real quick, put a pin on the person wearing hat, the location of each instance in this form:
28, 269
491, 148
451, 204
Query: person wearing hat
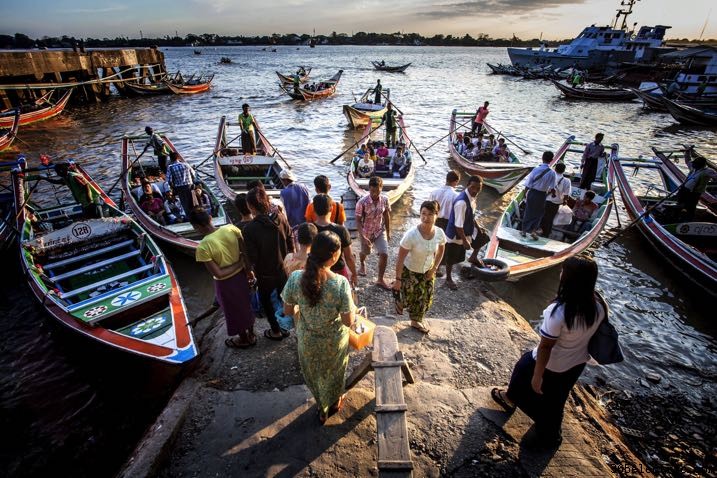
248, 134
161, 150
295, 197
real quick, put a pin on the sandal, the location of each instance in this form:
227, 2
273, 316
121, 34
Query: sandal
267, 334
234, 344
285, 333
477, 263
451, 285
336, 407
497, 395
420, 327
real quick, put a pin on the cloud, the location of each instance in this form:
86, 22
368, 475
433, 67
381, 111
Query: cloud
218, 6
110, 9
477, 8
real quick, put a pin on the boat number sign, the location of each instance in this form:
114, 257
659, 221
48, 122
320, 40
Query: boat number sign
246, 159
697, 229
81, 230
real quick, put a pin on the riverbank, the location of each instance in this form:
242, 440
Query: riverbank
247, 412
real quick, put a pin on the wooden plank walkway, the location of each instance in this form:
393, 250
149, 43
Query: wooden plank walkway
348, 199
394, 454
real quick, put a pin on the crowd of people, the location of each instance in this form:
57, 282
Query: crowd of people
376, 159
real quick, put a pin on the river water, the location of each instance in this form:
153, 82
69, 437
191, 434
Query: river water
68, 406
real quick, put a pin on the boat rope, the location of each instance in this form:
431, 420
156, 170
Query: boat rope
272, 147
53, 86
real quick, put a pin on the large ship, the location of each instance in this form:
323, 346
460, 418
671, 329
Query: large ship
599, 47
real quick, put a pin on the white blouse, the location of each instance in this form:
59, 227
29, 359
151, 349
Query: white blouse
421, 252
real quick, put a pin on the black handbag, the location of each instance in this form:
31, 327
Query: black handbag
604, 345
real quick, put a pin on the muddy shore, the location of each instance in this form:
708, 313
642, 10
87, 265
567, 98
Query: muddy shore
251, 415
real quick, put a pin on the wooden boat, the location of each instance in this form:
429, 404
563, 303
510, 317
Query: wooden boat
289, 79
225, 60
499, 176
649, 99
7, 137
393, 186
691, 115
526, 256
690, 247
670, 160
148, 89
191, 86
595, 94
654, 101
390, 69
234, 170
324, 89
104, 278
8, 233
365, 111
180, 234
41, 110
197, 52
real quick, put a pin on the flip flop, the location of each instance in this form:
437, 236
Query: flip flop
478, 263
336, 408
233, 344
496, 395
383, 285
267, 334
421, 328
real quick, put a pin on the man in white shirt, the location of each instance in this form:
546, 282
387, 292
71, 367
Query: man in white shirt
556, 196
462, 230
444, 196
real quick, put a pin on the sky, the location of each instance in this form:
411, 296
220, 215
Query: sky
553, 19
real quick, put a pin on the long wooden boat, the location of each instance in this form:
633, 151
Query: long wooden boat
181, 234
595, 94
526, 256
191, 87
687, 155
653, 100
41, 110
365, 111
104, 278
497, 175
390, 69
289, 79
234, 170
325, 89
8, 233
690, 247
7, 137
691, 115
393, 186
148, 89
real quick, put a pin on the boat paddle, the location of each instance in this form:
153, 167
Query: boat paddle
124, 171
642, 216
446, 135
354, 145
412, 143
500, 133
215, 152
204, 315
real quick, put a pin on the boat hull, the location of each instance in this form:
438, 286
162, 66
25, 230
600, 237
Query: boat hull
38, 115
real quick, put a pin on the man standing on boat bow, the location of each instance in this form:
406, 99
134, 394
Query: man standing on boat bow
377, 90
591, 156
389, 121
248, 134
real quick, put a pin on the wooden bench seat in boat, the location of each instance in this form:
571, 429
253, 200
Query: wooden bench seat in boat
89, 287
542, 247
95, 265
88, 255
388, 183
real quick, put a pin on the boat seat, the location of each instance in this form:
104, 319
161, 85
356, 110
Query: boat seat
88, 255
249, 178
89, 287
96, 265
548, 246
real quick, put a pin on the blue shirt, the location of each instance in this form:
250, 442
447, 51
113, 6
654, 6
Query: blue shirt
295, 197
180, 174
541, 178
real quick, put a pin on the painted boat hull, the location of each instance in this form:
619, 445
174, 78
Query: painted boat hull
176, 346
523, 259
38, 115
190, 89
394, 194
693, 264
594, 94
288, 80
180, 242
499, 176
305, 95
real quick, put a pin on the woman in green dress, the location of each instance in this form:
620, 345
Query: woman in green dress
326, 308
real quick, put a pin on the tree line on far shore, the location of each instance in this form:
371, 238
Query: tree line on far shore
22, 41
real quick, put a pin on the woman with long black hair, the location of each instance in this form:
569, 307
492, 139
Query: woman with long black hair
326, 311
542, 378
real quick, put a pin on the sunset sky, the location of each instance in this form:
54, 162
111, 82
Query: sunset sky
555, 19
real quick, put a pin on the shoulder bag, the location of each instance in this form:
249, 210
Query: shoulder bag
604, 345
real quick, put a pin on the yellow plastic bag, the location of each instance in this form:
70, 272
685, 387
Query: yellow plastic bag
361, 334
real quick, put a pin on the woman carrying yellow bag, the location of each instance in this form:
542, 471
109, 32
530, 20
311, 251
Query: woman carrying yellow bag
320, 303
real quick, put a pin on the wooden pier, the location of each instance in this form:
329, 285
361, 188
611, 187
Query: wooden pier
25, 75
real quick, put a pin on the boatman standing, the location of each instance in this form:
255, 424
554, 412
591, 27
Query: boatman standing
540, 180
248, 133
161, 150
481, 114
389, 121
377, 90
589, 164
